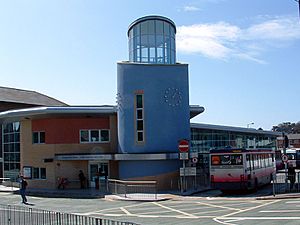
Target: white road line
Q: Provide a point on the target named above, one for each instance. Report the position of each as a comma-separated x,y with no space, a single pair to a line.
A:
125,211
217,206
154,216
293,202
175,210
151,212
208,212
280,211
263,218
224,222
251,208
118,208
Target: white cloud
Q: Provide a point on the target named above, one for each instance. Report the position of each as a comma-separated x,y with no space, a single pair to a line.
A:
190,8
275,29
223,40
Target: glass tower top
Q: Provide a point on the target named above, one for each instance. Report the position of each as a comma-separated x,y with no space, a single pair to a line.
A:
152,40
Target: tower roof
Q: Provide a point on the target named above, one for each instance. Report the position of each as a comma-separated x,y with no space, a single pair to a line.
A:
151,17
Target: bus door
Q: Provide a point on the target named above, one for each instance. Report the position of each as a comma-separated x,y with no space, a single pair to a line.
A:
249,168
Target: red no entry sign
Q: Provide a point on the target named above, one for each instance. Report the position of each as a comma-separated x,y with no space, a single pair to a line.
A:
183,146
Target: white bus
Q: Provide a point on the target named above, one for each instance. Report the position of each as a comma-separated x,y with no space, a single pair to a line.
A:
241,169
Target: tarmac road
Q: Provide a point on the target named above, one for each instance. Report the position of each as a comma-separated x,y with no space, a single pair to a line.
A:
204,208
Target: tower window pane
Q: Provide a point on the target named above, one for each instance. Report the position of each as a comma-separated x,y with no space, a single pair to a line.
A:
140,125
139,101
140,136
144,27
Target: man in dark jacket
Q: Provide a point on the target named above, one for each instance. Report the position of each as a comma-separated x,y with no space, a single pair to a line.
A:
81,179
291,175
23,186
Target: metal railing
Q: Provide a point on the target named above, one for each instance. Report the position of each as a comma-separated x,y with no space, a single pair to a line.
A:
283,183
20,215
133,189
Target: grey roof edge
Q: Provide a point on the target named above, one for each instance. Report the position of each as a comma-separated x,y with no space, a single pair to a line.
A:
104,109
63,103
234,129
151,17
195,110
152,64
37,111
118,156
35,92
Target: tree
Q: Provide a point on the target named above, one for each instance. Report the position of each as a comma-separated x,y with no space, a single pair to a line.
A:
288,128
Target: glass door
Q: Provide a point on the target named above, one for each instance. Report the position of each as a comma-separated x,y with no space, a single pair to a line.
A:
98,174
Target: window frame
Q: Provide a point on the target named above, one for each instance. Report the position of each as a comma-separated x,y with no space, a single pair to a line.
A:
139,117
90,141
38,137
39,173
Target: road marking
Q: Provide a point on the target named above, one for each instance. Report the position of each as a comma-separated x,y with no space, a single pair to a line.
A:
280,211
226,217
264,218
125,211
175,210
152,216
224,222
293,202
208,212
217,206
251,208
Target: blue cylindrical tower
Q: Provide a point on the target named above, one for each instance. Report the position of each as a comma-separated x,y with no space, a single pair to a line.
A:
153,92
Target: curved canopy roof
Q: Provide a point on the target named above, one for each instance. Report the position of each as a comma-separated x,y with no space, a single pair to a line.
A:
44,112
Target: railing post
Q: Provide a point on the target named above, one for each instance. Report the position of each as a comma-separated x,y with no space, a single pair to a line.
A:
155,190
273,180
298,184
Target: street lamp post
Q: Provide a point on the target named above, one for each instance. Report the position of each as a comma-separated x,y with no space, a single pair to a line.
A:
248,125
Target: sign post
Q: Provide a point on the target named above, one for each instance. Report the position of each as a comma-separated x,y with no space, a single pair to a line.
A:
285,159
183,147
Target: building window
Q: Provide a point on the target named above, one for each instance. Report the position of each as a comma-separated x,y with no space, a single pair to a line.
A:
39,173
94,136
139,118
152,41
38,137
11,150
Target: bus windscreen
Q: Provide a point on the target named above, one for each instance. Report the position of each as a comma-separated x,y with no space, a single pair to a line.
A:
235,159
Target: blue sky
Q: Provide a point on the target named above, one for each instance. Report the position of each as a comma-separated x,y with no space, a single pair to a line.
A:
243,56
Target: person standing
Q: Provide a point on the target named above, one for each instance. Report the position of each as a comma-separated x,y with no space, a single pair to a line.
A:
23,186
81,179
291,175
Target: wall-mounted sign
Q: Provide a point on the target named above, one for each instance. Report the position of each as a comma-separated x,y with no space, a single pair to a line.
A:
183,146
183,155
188,171
27,172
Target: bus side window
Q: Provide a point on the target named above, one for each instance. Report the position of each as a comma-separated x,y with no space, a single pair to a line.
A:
255,161
248,162
265,160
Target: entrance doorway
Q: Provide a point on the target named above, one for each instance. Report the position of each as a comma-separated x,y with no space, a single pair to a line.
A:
98,170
